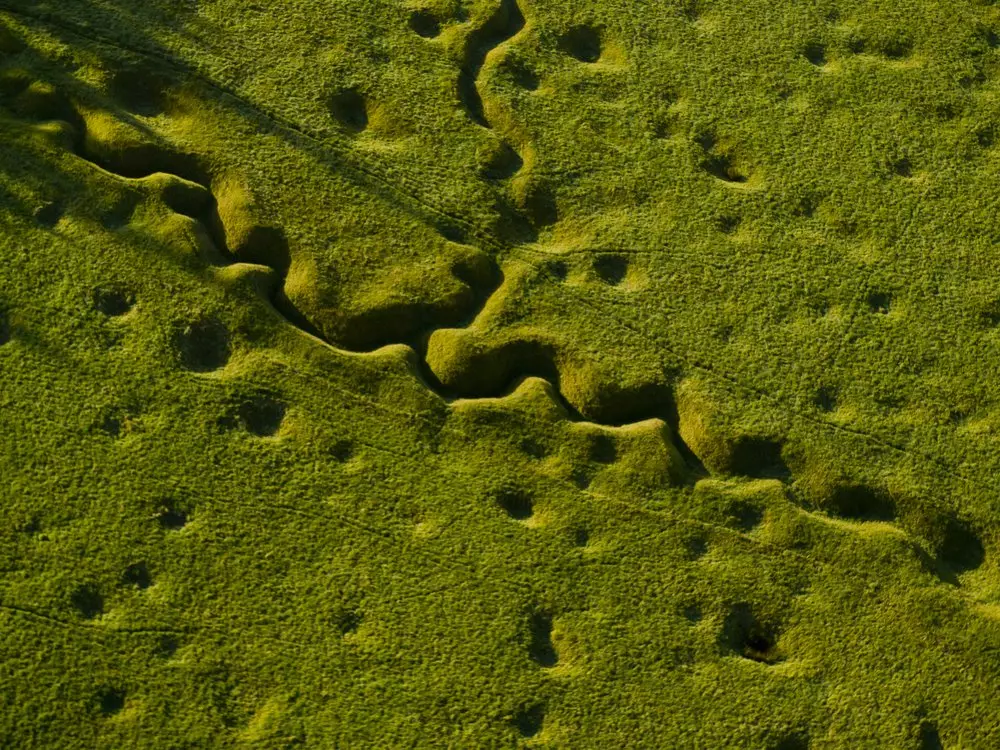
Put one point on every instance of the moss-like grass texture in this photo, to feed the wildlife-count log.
(499, 373)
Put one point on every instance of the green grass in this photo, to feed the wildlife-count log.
(494, 374)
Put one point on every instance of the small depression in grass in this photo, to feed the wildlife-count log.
(349, 108)
(342, 451)
(528, 720)
(960, 548)
(611, 269)
(533, 448)
(815, 53)
(826, 399)
(262, 415)
(4, 327)
(425, 24)
(113, 301)
(110, 701)
(759, 458)
(858, 502)
(49, 214)
(137, 575)
(744, 634)
(202, 346)
(541, 649)
(696, 547)
(582, 43)
(930, 739)
(603, 449)
(88, 601)
(171, 517)
(744, 516)
(523, 75)
(879, 303)
(516, 504)
(348, 621)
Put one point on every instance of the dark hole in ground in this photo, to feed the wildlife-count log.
(112, 302)
(166, 646)
(930, 739)
(523, 76)
(541, 648)
(515, 503)
(759, 458)
(348, 621)
(202, 346)
(721, 166)
(582, 43)
(903, 168)
(425, 24)
(540, 206)
(533, 448)
(559, 269)
(611, 269)
(349, 108)
(745, 635)
(897, 48)
(826, 399)
(171, 517)
(111, 701)
(697, 547)
(603, 449)
(262, 415)
(49, 214)
(961, 549)
(859, 502)
(744, 516)
(815, 53)
(342, 451)
(795, 741)
(504, 163)
(88, 601)
(528, 721)
(137, 575)
(728, 224)
(879, 302)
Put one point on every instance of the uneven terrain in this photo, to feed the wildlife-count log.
(499, 373)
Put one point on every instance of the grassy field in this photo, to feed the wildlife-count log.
(499, 373)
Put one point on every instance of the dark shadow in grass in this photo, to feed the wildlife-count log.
(349, 108)
(611, 269)
(113, 301)
(815, 53)
(582, 43)
(137, 575)
(930, 739)
(745, 635)
(793, 741)
(528, 720)
(515, 503)
(859, 502)
(110, 701)
(171, 517)
(202, 346)
(425, 24)
(759, 458)
(541, 649)
(88, 601)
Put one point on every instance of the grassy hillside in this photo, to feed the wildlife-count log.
(499, 373)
